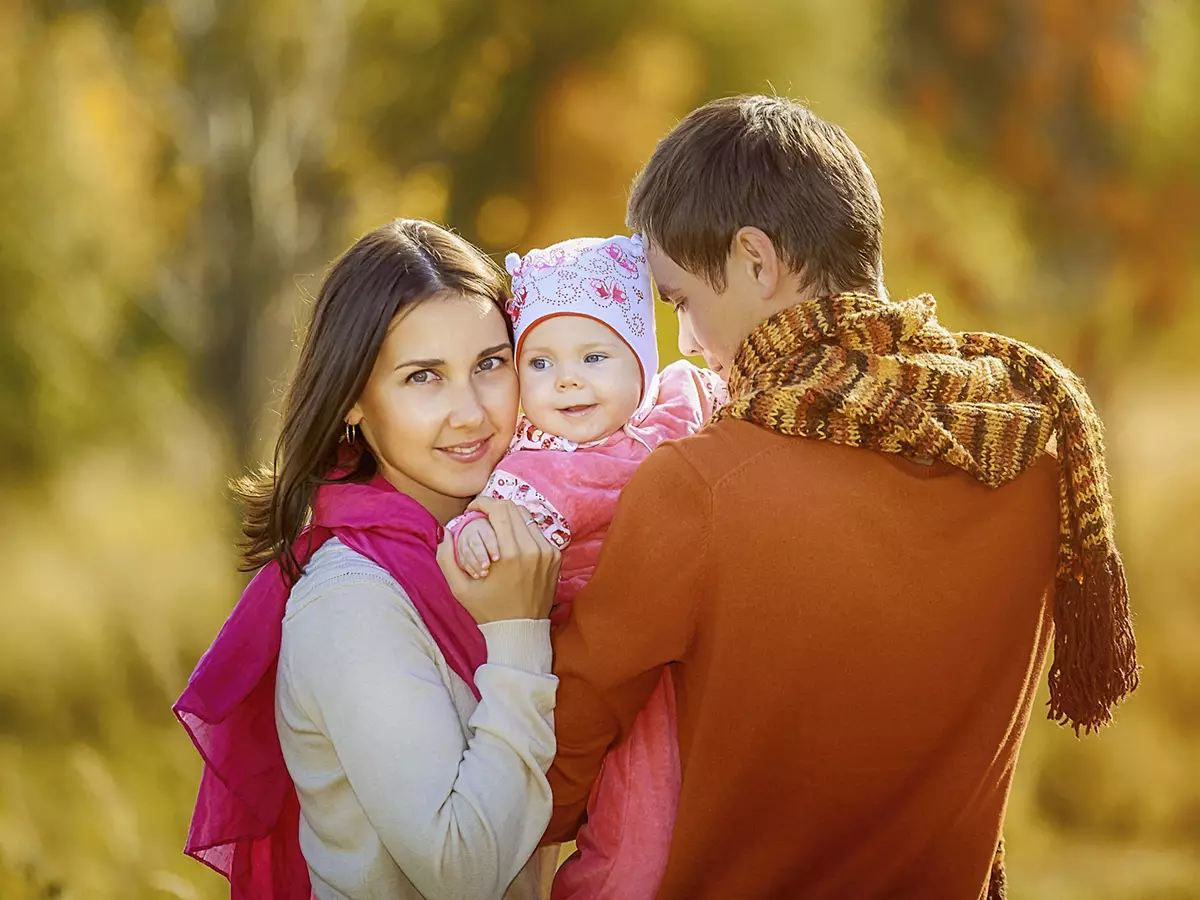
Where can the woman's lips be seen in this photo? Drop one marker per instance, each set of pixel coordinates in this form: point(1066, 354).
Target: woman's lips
point(467, 453)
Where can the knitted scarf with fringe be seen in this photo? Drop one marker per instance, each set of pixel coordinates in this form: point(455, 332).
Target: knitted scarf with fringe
point(863, 371)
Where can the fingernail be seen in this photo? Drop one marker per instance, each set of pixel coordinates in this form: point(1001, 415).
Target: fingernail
point(495, 557)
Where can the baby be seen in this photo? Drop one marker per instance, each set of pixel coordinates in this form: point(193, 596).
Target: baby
point(594, 407)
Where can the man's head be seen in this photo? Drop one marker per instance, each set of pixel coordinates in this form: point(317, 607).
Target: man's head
point(750, 205)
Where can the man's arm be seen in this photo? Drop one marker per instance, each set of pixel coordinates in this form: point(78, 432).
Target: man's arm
point(635, 616)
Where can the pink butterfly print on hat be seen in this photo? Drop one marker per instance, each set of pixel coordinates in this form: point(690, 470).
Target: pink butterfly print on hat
point(609, 291)
point(552, 258)
point(518, 299)
point(622, 259)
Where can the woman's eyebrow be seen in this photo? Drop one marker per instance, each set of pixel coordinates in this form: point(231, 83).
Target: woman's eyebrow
point(492, 351)
point(421, 363)
point(435, 363)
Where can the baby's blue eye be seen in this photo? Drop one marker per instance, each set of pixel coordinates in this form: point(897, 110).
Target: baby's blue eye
point(539, 363)
point(594, 358)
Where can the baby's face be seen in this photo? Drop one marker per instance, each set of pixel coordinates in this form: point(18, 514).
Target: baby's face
point(579, 380)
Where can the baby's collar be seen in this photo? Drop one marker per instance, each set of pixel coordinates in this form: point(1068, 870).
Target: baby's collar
point(529, 437)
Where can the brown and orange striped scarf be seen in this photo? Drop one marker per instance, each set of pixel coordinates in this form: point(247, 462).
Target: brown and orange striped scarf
point(862, 371)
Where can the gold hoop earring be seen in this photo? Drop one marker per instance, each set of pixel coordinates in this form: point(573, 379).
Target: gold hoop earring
point(351, 434)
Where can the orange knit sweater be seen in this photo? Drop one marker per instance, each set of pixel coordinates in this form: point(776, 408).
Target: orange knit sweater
point(856, 641)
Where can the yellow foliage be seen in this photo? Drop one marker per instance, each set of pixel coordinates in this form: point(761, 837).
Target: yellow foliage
point(119, 557)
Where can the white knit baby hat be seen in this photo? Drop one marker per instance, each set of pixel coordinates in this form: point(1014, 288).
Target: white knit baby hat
point(607, 279)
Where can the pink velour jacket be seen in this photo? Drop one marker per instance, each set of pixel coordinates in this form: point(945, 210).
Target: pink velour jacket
point(571, 491)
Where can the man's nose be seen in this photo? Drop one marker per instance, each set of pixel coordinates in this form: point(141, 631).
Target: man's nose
point(688, 345)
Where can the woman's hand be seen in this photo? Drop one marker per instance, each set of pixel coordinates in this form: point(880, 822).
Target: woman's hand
point(521, 583)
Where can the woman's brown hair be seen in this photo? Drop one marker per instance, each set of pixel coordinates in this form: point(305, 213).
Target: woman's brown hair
point(385, 273)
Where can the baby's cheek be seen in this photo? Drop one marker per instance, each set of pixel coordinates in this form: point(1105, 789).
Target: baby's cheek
point(533, 392)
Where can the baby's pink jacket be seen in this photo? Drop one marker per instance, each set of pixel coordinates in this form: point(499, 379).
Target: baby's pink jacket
point(571, 491)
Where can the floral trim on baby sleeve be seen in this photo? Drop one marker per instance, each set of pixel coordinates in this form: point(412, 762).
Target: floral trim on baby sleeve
point(553, 524)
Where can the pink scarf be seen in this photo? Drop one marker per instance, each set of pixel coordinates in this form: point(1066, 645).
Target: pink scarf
point(246, 821)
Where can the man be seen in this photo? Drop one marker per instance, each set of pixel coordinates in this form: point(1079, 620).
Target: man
point(855, 573)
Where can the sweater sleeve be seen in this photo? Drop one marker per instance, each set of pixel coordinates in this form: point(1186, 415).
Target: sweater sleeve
point(635, 616)
point(460, 816)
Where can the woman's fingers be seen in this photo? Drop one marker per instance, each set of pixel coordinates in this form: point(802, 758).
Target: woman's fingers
point(549, 556)
point(546, 551)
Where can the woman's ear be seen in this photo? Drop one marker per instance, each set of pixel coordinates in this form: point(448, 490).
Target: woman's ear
point(755, 260)
point(355, 416)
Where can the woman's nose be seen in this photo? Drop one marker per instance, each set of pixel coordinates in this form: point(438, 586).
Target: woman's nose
point(466, 411)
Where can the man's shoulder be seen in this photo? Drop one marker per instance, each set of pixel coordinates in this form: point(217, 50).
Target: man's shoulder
point(725, 447)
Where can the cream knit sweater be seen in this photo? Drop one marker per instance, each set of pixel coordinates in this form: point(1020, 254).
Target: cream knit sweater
point(409, 788)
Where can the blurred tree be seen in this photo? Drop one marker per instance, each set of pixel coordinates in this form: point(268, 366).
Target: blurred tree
point(73, 155)
point(1048, 97)
point(281, 120)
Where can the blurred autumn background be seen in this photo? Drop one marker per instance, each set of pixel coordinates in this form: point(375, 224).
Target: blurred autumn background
point(174, 177)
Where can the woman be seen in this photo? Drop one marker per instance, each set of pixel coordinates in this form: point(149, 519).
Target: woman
point(415, 742)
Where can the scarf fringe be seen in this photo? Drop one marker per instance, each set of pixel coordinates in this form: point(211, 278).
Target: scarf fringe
point(1095, 657)
point(997, 881)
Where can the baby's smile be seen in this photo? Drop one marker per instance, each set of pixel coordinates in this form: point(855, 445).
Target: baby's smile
point(579, 410)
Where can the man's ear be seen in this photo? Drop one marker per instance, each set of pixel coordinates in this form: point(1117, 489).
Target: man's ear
point(754, 260)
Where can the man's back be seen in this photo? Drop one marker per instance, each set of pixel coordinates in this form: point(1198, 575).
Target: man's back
point(856, 639)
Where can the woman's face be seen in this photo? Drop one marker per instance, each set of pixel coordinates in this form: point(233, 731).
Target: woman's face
point(441, 402)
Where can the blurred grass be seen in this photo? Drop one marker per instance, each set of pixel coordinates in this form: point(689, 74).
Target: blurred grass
point(119, 575)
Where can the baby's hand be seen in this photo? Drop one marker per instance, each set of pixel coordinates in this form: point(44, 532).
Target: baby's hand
point(477, 548)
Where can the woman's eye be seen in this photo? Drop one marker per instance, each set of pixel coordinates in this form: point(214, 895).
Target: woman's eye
point(422, 377)
point(594, 358)
point(492, 363)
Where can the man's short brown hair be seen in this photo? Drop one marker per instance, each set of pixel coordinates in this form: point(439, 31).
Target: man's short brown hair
point(766, 162)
